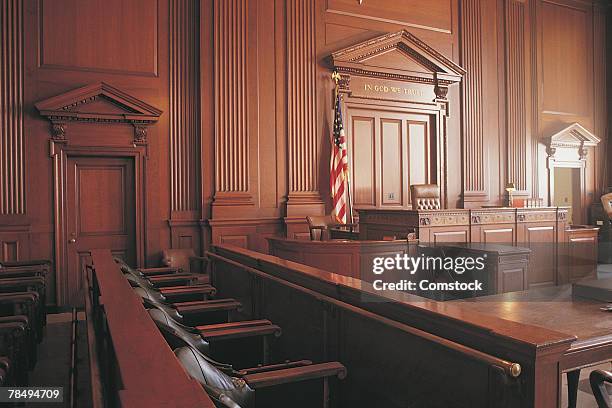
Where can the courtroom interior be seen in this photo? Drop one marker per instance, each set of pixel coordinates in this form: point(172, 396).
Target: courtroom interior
point(234, 203)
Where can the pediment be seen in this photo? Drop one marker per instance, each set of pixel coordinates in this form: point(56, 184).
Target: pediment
point(98, 102)
point(399, 55)
point(574, 135)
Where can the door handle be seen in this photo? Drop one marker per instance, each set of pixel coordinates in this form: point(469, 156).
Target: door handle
point(72, 240)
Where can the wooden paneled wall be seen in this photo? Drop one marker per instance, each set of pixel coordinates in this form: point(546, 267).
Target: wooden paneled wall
point(185, 153)
point(241, 151)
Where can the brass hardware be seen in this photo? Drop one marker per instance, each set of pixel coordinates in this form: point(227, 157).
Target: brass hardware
point(515, 370)
point(72, 240)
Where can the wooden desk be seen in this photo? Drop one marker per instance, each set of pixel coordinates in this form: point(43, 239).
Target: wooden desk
point(555, 308)
point(344, 257)
point(538, 349)
point(539, 229)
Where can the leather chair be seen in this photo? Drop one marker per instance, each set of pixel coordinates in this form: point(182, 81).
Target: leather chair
point(425, 196)
point(599, 379)
point(208, 339)
point(240, 391)
point(184, 260)
point(319, 226)
point(606, 201)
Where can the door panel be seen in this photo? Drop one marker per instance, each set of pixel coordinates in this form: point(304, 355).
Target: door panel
point(100, 213)
point(389, 151)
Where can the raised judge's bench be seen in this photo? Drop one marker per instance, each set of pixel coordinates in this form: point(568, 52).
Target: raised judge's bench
point(544, 230)
point(404, 350)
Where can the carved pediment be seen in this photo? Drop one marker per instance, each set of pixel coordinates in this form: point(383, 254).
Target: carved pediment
point(574, 135)
point(98, 102)
point(398, 56)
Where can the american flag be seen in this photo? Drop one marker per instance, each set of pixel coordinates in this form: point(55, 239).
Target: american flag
point(339, 167)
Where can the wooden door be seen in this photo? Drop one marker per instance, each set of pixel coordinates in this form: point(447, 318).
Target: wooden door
point(100, 213)
point(389, 151)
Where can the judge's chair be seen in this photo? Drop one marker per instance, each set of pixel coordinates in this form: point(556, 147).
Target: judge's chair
point(319, 226)
point(606, 201)
point(425, 196)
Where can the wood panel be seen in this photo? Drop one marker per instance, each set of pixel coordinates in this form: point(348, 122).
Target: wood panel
point(434, 15)
point(185, 137)
point(91, 35)
point(362, 145)
point(419, 151)
point(12, 171)
point(391, 163)
point(517, 103)
point(184, 107)
point(303, 141)
point(475, 178)
point(565, 37)
point(231, 132)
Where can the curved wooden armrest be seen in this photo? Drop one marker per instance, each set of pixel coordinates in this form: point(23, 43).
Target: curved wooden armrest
point(238, 330)
point(25, 271)
point(18, 297)
point(164, 270)
point(32, 262)
point(272, 367)
point(177, 279)
point(207, 306)
point(290, 375)
point(188, 293)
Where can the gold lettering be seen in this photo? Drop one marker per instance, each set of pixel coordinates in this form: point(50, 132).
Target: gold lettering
point(392, 89)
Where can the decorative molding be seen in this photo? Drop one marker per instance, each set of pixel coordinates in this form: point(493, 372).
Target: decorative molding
point(231, 108)
point(184, 106)
point(72, 106)
point(517, 114)
point(302, 129)
point(475, 167)
point(12, 157)
point(535, 114)
point(351, 60)
point(600, 111)
point(574, 136)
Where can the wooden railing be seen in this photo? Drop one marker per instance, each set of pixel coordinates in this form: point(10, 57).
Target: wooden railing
point(390, 364)
point(131, 363)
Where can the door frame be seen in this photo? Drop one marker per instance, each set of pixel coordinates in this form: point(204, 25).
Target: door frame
point(60, 153)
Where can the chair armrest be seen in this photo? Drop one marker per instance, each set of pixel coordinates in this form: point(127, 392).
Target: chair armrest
point(290, 375)
point(207, 306)
point(25, 271)
point(272, 367)
point(171, 280)
point(598, 378)
point(30, 262)
point(164, 270)
point(238, 330)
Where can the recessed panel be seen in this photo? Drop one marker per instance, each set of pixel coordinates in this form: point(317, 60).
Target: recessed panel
point(99, 35)
point(418, 152)
point(101, 208)
point(565, 60)
point(391, 166)
point(362, 145)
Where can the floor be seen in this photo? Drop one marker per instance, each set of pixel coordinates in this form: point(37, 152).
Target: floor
point(53, 365)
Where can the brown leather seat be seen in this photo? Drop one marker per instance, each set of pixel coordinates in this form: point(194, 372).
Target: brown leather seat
point(606, 201)
point(185, 260)
point(319, 226)
point(425, 196)
point(599, 379)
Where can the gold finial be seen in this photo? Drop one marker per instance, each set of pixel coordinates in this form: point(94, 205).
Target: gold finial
point(335, 76)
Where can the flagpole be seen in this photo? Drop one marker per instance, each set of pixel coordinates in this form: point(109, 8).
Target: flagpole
point(336, 77)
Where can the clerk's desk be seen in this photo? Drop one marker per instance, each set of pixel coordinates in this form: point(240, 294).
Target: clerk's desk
point(555, 308)
point(544, 230)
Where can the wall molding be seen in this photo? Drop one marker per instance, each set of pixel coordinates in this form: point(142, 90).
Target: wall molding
point(475, 168)
point(184, 93)
point(12, 159)
point(232, 175)
point(303, 141)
